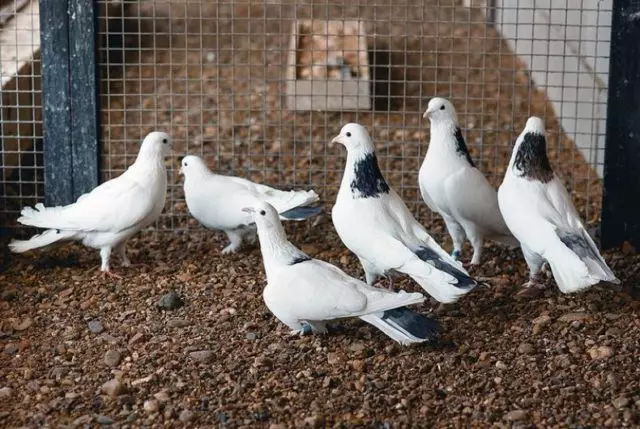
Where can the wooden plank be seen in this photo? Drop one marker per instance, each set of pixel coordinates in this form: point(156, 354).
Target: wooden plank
point(620, 208)
point(84, 95)
point(56, 103)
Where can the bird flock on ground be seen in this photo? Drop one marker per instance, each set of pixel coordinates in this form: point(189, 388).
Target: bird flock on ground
point(531, 210)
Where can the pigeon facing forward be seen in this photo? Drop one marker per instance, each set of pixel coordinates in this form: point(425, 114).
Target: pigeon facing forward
point(376, 225)
point(216, 201)
point(110, 214)
point(301, 290)
point(452, 186)
point(539, 212)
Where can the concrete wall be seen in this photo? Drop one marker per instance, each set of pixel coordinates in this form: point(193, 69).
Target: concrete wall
point(565, 44)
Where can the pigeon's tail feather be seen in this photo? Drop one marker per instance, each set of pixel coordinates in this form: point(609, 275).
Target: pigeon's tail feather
point(300, 213)
point(431, 257)
point(576, 263)
point(404, 326)
point(40, 216)
point(46, 238)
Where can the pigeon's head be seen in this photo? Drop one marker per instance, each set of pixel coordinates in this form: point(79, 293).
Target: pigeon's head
point(534, 125)
point(440, 110)
point(191, 164)
point(156, 144)
point(264, 215)
point(355, 138)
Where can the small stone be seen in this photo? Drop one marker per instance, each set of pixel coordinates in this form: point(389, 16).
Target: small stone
point(24, 325)
point(515, 415)
point(136, 338)
point(185, 416)
point(132, 417)
point(112, 357)
point(313, 421)
point(104, 420)
point(162, 396)
point(572, 317)
point(501, 365)
point(357, 347)
point(251, 336)
point(177, 323)
point(333, 358)
point(150, 406)
point(113, 388)
point(484, 356)
point(600, 352)
point(95, 326)
point(8, 295)
point(620, 402)
point(170, 301)
point(201, 355)
point(5, 392)
point(82, 420)
point(525, 348)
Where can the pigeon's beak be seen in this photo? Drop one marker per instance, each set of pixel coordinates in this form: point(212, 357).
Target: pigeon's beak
point(248, 210)
point(427, 113)
point(336, 139)
point(181, 172)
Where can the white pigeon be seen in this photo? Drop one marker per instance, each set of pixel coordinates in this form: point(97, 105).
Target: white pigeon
point(452, 186)
point(376, 225)
point(541, 215)
point(216, 201)
point(111, 213)
point(301, 290)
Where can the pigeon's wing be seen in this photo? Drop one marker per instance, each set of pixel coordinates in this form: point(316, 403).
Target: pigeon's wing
point(423, 190)
point(471, 198)
point(118, 204)
point(280, 200)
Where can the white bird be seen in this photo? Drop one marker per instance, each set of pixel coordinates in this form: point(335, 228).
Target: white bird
point(111, 213)
point(452, 186)
point(216, 201)
point(301, 290)
point(540, 213)
point(376, 225)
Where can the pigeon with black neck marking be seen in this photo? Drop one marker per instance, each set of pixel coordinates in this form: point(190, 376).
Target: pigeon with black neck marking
point(540, 214)
point(452, 186)
point(376, 225)
point(216, 201)
point(305, 291)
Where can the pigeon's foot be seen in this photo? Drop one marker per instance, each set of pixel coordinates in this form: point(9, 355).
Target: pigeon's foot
point(530, 289)
point(105, 274)
point(455, 254)
point(305, 329)
point(232, 248)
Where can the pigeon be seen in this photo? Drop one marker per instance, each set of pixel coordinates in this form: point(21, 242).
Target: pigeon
point(375, 224)
point(216, 201)
point(452, 186)
point(305, 292)
point(540, 214)
point(111, 213)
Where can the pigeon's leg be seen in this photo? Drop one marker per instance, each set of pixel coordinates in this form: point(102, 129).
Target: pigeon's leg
point(534, 262)
point(235, 237)
point(477, 242)
point(318, 327)
point(121, 251)
point(105, 252)
point(456, 231)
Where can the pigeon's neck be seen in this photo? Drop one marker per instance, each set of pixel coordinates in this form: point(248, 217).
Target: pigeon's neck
point(447, 143)
point(529, 159)
point(149, 160)
point(362, 176)
point(277, 250)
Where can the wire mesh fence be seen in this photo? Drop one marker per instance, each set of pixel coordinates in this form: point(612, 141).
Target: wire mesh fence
point(222, 77)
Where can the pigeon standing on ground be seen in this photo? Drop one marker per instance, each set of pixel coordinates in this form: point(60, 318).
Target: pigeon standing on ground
point(216, 201)
point(376, 225)
point(541, 215)
point(110, 214)
point(452, 186)
point(301, 290)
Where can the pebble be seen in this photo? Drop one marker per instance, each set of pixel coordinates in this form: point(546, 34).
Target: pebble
point(515, 415)
point(177, 323)
point(8, 295)
point(313, 421)
point(333, 358)
point(600, 352)
point(5, 392)
point(170, 301)
point(24, 325)
point(162, 396)
point(136, 338)
point(620, 402)
point(112, 357)
point(572, 317)
point(185, 416)
point(95, 326)
point(525, 348)
point(82, 420)
point(501, 365)
point(113, 388)
point(104, 420)
point(251, 336)
point(201, 355)
point(150, 406)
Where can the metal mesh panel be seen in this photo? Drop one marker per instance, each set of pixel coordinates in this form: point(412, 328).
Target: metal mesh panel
point(21, 177)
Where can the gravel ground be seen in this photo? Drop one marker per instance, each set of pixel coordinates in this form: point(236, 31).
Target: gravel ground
point(222, 360)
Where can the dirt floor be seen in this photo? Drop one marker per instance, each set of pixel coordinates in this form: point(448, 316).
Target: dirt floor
point(80, 351)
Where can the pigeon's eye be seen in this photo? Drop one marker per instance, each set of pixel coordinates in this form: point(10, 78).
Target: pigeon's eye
point(442, 107)
point(185, 164)
point(262, 212)
point(348, 134)
point(165, 141)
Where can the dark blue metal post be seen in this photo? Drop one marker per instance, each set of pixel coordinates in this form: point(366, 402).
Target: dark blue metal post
point(69, 98)
point(620, 207)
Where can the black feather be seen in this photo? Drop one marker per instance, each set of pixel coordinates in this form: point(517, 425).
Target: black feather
point(531, 158)
point(299, 259)
point(414, 323)
point(578, 245)
point(461, 147)
point(431, 257)
point(301, 212)
point(368, 181)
